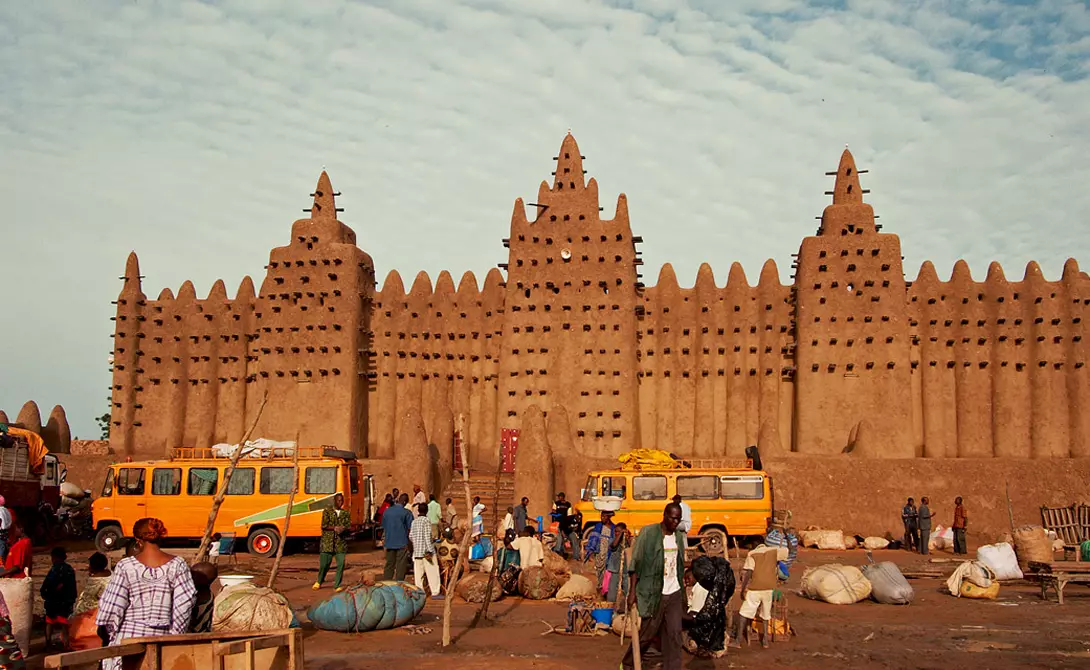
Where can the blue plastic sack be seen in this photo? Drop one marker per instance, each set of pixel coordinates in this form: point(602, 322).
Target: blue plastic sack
point(482, 549)
point(363, 608)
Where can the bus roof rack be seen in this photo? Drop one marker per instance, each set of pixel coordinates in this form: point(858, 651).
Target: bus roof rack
point(274, 453)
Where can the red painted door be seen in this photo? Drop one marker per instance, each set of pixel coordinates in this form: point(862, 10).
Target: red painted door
point(509, 446)
point(457, 451)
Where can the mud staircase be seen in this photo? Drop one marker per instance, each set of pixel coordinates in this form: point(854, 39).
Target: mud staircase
point(483, 484)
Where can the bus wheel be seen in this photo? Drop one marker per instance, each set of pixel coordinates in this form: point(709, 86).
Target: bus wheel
point(263, 542)
point(108, 538)
point(714, 542)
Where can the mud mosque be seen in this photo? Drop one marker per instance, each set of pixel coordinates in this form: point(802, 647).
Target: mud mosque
point(849, 357)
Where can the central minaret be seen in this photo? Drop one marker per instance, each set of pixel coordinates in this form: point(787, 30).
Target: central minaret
point(569, 329)
point(852, 347)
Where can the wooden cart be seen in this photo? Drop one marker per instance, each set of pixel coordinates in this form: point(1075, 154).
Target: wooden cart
point(266, 650)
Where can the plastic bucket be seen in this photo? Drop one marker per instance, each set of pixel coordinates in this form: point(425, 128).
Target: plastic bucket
point(602, 616)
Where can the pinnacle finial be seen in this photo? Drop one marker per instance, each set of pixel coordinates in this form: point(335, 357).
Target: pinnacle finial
point(569, 166)
point(847, 188)
point(324, 204)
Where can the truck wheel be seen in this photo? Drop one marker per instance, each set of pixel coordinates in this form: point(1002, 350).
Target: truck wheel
point(108, 538)
point(715, 543)
point(263, 542)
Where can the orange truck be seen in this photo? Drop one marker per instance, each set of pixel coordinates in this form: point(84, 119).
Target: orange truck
point(179, 491)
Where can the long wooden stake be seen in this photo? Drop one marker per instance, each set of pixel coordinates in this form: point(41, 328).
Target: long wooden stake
point(287, 513)
point(463, 550)
point(1010, 508)
point(206, 541)
point(483, 612)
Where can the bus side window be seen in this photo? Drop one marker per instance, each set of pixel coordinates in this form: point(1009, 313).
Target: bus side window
point(108, 485)
point(130, 481)
point(166, 481)
point(276, 481)
point(242, 482)
point(203, 481)
point(321, 480)
point(649, 487)
point(354, 479)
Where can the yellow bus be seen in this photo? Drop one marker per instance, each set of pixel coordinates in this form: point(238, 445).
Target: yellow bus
point(179, 491)
point(725, 500)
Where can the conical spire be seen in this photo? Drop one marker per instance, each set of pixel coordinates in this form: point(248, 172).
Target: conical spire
point(569, 166)
point(324, 206)
point(847, 189)
point(131, 286)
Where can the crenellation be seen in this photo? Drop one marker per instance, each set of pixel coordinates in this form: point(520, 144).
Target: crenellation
point(848, 356)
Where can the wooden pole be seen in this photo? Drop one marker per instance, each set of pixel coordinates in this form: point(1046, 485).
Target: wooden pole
point(483, 612)
point(287, 512)
point(1010, 508)
point(206, 541)
point(463, 549)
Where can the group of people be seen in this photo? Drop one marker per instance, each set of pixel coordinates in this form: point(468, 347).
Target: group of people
point(917, 522)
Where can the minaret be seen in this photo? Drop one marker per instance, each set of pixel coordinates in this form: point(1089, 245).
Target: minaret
point(126, 354)
point(852, 349)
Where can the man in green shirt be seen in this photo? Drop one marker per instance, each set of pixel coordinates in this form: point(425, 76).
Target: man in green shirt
point(435, 513)
point(656, 591)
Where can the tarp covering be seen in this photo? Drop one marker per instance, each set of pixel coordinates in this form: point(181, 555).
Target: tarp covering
point(37, 450)
point(648, 459)
point(364, 608)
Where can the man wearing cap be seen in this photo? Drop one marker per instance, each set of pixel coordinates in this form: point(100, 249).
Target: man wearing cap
point(5, 526)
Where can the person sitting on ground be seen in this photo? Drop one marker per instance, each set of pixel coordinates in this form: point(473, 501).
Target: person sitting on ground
point(759, 575)
point(531, 551)
point(205, 575)
point(706, 621)
point(59, 596)
point(20, 558)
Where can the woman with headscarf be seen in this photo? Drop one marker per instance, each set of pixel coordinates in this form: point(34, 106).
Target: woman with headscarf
point(706, 622)
point(149, 594)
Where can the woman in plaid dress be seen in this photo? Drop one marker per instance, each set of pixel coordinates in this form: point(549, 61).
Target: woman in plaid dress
point(149, 594)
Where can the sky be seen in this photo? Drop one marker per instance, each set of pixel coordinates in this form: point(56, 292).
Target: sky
point(193, 132)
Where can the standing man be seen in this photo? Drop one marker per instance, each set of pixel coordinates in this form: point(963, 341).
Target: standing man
point(435, 515)
point(418, 498)
point(759, 577)
point(451, 512)
point(686, 515)
point(396, 523)
point(335, 523)
point(424, 561)
point(960, 519)
point(477, 518)
point(655, 587)
point(5, 526)
point(925, 525)
point(560, 514)
point(910, 518)
point(521, 514)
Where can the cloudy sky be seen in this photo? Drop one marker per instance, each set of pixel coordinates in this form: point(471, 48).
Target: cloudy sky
point(192, 132)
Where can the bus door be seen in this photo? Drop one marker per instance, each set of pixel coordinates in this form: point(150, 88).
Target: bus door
point(130, 502)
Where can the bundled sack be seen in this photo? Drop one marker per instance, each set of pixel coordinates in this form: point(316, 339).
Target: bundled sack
point(537, 583)
point(850, 542)
point(973, 572)
point(556, 564)
point(1001, 559)
point(1031, 543)
point(19, 597)
point(874, 542)
point(888, 585)
point(577, 586)
point(942, 538)
point(363, 608)
point(246, 607)
point(71, 490)
point(473, 588)
point(832, 540)
point(835, 584)
point(509, 580)
point(971, 590)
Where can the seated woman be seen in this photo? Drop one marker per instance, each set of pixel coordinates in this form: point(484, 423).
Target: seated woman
point(705, 624)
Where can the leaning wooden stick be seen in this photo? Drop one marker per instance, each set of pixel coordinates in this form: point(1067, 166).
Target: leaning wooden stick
point(463, 549)
point(206, 541)
point(483, 612)
point(287, 512)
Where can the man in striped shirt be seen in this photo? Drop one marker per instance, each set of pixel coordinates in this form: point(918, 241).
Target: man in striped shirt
point(424, 561)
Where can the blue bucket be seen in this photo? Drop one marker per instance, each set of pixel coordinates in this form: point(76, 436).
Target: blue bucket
point(603, 616)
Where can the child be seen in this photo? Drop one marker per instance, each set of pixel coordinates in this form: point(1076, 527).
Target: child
point(59, 593)
point(204, 576)
point(82, 631)
point(214, 549)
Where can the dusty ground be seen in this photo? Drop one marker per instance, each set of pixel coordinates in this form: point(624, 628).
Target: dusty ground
point(936, 631)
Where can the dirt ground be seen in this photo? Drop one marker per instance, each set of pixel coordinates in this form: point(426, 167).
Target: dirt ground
point(935, 631)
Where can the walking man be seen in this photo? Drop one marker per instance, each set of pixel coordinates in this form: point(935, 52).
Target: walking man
point(396, 523)
point(424, 561)
point(960, 518)
point(686, 514)
point(655, 587)
point(759, 576)
point(925, 525)
point(435, 515)
point(910, 518)
point(334, 543)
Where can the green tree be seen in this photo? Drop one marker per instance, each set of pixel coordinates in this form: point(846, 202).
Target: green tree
point(104, 426)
